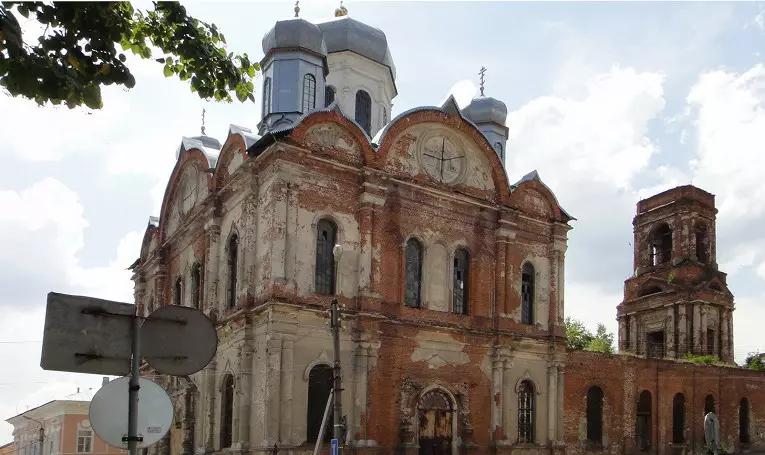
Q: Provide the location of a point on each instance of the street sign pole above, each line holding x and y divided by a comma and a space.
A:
135, 374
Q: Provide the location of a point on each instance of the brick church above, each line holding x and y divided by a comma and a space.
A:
449, 275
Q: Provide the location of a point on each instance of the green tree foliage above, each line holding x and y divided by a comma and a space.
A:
755, 361
581, 339
78, 52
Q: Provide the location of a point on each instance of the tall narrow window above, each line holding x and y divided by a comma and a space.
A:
364, 111
385, 115
702, 245
319, 387
678, 418
84, 441
227, 412
326, 236
266, 96
595, 415
460, 291
709, 404
500, 150
233, 260
413, 273
196, 285
178, 292
329, 95
661, 244
643, 422
710, 342
743, 421
527, 294
309, 92
526, 413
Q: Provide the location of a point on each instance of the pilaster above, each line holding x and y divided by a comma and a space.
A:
245, 396
209, 397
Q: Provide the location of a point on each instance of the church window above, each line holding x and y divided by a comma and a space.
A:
266, 96
84, 441
319, 388
326, 236
178, 292
595, 415
413, 255
702, 244
309, 92
384, 115
460, 291
661, 244
196, 285
710, 342
364, 111
643, 422
527, 294
678, 418
329, 95
500, 150
526, 413
233, 262
227, 412
743, 421
709, 404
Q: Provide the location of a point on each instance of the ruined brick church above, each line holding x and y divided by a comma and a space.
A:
450, 277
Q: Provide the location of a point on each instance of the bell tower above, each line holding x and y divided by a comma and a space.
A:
677, 301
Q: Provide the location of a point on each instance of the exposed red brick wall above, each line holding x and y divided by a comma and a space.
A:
622, 378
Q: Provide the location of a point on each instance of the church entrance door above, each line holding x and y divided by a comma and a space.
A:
435, 429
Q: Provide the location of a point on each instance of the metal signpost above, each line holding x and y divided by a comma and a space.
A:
89, 335
333, 447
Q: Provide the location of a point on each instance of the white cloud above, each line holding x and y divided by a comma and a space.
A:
463, 92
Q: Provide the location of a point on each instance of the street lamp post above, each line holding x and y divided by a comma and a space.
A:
41, 434
337, 430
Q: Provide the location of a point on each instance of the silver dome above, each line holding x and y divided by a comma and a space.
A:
486, 109
347, 34
293, 34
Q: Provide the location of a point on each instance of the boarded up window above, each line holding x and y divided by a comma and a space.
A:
364, 111
526, 413
326, 235
527, 294
319, 388
309, 92
413, 273
233, 262
227, 412
678, 418
460, 282
595, 415
743, 421
643, 422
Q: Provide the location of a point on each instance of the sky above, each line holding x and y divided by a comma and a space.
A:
609, 102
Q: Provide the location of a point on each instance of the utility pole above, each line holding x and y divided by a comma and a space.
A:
40, 434
337, 429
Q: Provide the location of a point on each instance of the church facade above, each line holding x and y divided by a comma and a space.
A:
450, 277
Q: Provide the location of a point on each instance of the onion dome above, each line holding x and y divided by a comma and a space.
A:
486, 109
347, 34
295, 33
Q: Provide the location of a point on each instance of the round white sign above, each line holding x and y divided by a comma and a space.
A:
109, 412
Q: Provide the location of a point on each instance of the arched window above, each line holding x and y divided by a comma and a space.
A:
595, 415
324, 277
709, 404
678, 418
648, 290
309, 92
413, 297
661, 244
364, 111
500, 150
460, 291
527, 294
233, 261
178, 291
743, 421
526, 413
702, 244
196, 285
266, 96
227, 412
329, 95
319, 387
643, 422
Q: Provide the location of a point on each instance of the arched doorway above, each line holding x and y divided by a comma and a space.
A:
436, 418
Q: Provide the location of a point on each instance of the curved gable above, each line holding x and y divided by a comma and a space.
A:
402, 148
534, 198
330, 131
191, 164
232, 155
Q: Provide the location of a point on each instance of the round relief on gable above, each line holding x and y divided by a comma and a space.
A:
442, 156
85, 423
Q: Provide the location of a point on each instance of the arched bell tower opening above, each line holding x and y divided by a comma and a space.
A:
677, 301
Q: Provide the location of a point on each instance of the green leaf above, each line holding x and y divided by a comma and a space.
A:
168, 71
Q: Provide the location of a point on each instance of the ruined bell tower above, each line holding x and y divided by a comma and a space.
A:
676, 301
